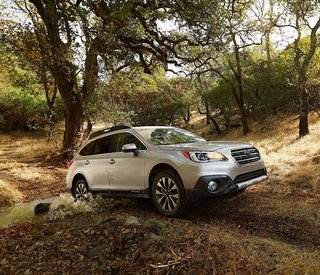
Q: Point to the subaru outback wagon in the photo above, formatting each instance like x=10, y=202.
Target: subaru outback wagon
x=169, y=165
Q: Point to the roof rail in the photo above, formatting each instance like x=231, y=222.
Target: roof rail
x=108, y=130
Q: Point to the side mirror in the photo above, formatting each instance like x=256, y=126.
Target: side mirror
x=129, y=148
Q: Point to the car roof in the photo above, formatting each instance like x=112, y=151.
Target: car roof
x=108, y=130
x=124, y=127
x=151, y=127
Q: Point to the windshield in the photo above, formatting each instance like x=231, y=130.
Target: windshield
x=167, y=136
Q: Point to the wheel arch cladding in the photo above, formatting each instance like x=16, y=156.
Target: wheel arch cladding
x=159, y=168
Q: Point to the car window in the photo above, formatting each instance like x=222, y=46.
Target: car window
x=125, y=138
x=99, y=146
x=167, y=136
x=102, y=145
x=88, y=149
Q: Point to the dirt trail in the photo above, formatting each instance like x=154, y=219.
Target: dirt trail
x=258, y=231
x=22, y=166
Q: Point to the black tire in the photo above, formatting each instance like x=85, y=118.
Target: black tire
x=80, y=189
x=168, y=194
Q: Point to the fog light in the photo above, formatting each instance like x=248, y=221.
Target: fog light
x=212, y=186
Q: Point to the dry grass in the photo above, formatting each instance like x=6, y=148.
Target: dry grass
x=9, y=195
x=27, y=147
x=22, y=157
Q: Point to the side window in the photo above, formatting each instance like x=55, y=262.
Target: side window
x=102, y=145
x=99, y=146
x=124, y=138
x=88, y=149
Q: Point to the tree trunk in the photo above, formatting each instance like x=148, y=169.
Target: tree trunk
x=73, y=124
x=73, y=104
x=207, y=111
x=188, y=114
x=185, y=119
x=239, y=78
x=244, y=120
x=304, y=106
x=214, y=122
x=170, y=119
x=243, y=113
x=302, y=63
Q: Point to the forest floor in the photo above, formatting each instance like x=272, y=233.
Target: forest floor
x=271, y=228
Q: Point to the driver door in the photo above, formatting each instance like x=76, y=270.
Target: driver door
x=126, y=171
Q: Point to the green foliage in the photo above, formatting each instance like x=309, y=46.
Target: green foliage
x=274, y=88
x=21, y=109
x=23, y=104
x=142, y=99
x=220, y=97
x=268, y=89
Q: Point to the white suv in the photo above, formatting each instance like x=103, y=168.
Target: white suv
x=170, y=165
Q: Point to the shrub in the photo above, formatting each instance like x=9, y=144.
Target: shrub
x=21, y=110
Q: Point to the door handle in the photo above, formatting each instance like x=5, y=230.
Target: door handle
x=87, y=162
x=112, y=161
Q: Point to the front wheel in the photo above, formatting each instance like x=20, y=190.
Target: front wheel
x=168, y=194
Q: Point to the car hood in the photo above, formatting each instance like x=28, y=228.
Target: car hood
x=205, y=146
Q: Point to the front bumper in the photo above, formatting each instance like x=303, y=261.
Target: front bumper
x=225, y=185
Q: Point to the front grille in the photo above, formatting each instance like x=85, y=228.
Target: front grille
x=246, y=155
x=250, y=175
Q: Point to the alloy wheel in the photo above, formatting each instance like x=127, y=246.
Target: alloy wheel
x=167, y=194
x=81, y=191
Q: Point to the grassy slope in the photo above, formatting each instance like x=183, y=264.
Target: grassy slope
x=273, y=227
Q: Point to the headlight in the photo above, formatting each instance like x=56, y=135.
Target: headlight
x=204, y=156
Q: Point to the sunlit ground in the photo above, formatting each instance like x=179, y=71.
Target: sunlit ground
x=271, y=228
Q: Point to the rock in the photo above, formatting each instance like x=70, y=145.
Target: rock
x=128, y=237
x=95, y=250
x=155, y=226
x=151, y=238
x=316, y=160
x=42, y=208
x=131, y=220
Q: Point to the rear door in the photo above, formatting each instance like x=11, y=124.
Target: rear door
x=94, y=163
x=126, y=171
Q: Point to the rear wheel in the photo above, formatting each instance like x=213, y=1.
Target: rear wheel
x=80, y=189
x=168, y=194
